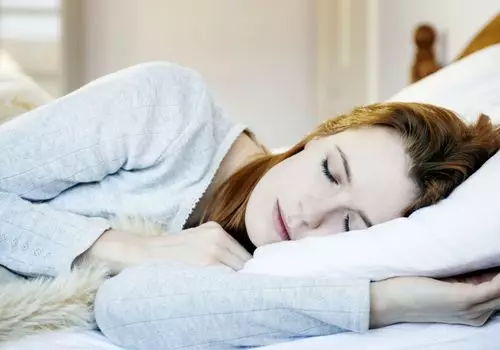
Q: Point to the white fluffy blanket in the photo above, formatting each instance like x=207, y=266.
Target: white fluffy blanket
x=33, y=306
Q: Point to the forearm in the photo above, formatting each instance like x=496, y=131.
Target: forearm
x=122, y=122
x=115, y=249
x=213, y=308
x=38, y=240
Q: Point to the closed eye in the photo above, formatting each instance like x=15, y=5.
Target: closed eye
x=347, y=225
x=326, y=171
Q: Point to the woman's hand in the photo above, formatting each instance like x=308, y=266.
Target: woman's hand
x=419, y=299
x=205, y=245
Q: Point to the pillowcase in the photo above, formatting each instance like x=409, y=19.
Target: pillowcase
x=458, y=235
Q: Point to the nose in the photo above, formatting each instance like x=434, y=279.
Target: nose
x=310, y=213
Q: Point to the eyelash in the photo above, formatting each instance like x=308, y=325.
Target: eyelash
x=329, y=176
x=347, y=227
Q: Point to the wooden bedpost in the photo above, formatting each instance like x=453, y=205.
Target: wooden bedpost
x=425, y=62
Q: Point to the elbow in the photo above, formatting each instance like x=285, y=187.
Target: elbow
x=137, y=309
x=120, y=313
x=109, y=316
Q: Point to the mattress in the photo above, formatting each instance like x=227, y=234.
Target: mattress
x=397, y=337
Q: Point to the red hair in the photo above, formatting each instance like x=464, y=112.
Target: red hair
x=444, y=151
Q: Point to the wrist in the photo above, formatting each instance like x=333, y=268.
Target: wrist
x=383, y=308
x=117, y=250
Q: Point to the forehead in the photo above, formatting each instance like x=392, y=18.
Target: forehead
x=379, y=167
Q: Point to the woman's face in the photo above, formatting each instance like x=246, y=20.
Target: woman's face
x=347, y=181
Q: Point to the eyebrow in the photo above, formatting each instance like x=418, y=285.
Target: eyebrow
x=361, y=213
x=365, y=219
x=346, y=164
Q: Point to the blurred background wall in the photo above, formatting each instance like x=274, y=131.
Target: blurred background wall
x=258, y=56
x=280, y=66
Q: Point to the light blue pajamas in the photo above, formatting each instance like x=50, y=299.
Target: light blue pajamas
x=147, y=141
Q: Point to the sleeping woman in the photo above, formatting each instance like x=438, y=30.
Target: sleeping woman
x=149, y=141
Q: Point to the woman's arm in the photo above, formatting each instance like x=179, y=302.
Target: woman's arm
x=174, y=306
x=121, y=122
x=205, y=245
x=178, y=307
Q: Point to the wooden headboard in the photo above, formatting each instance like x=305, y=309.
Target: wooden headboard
x=425, y=62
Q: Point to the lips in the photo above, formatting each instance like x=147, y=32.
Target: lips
x=279, y=222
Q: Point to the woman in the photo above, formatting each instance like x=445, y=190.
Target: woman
x=150, y=142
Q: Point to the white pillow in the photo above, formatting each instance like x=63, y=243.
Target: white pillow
x=460, y=234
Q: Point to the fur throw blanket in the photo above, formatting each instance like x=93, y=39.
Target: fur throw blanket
x=47, y=304
x=30, y=306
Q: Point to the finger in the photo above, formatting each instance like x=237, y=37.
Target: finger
x=229, y=242
x=229, y=259
x=236, y=248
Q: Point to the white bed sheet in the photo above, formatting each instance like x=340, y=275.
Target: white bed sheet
x=406, y=337
x=398, y=337
x=63, y=341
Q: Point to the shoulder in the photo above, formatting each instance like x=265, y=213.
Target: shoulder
x=150, y=84
x=157, y=74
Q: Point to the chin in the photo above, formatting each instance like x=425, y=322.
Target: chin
x=254, y=227
x=258, y=238
x=255, y=239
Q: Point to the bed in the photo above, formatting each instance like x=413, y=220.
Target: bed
x=397, y=337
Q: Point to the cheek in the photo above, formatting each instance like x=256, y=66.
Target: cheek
x=288, y=181
x=266, y=187
x=258, y=214
x=277, y=183
x=385, y=200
